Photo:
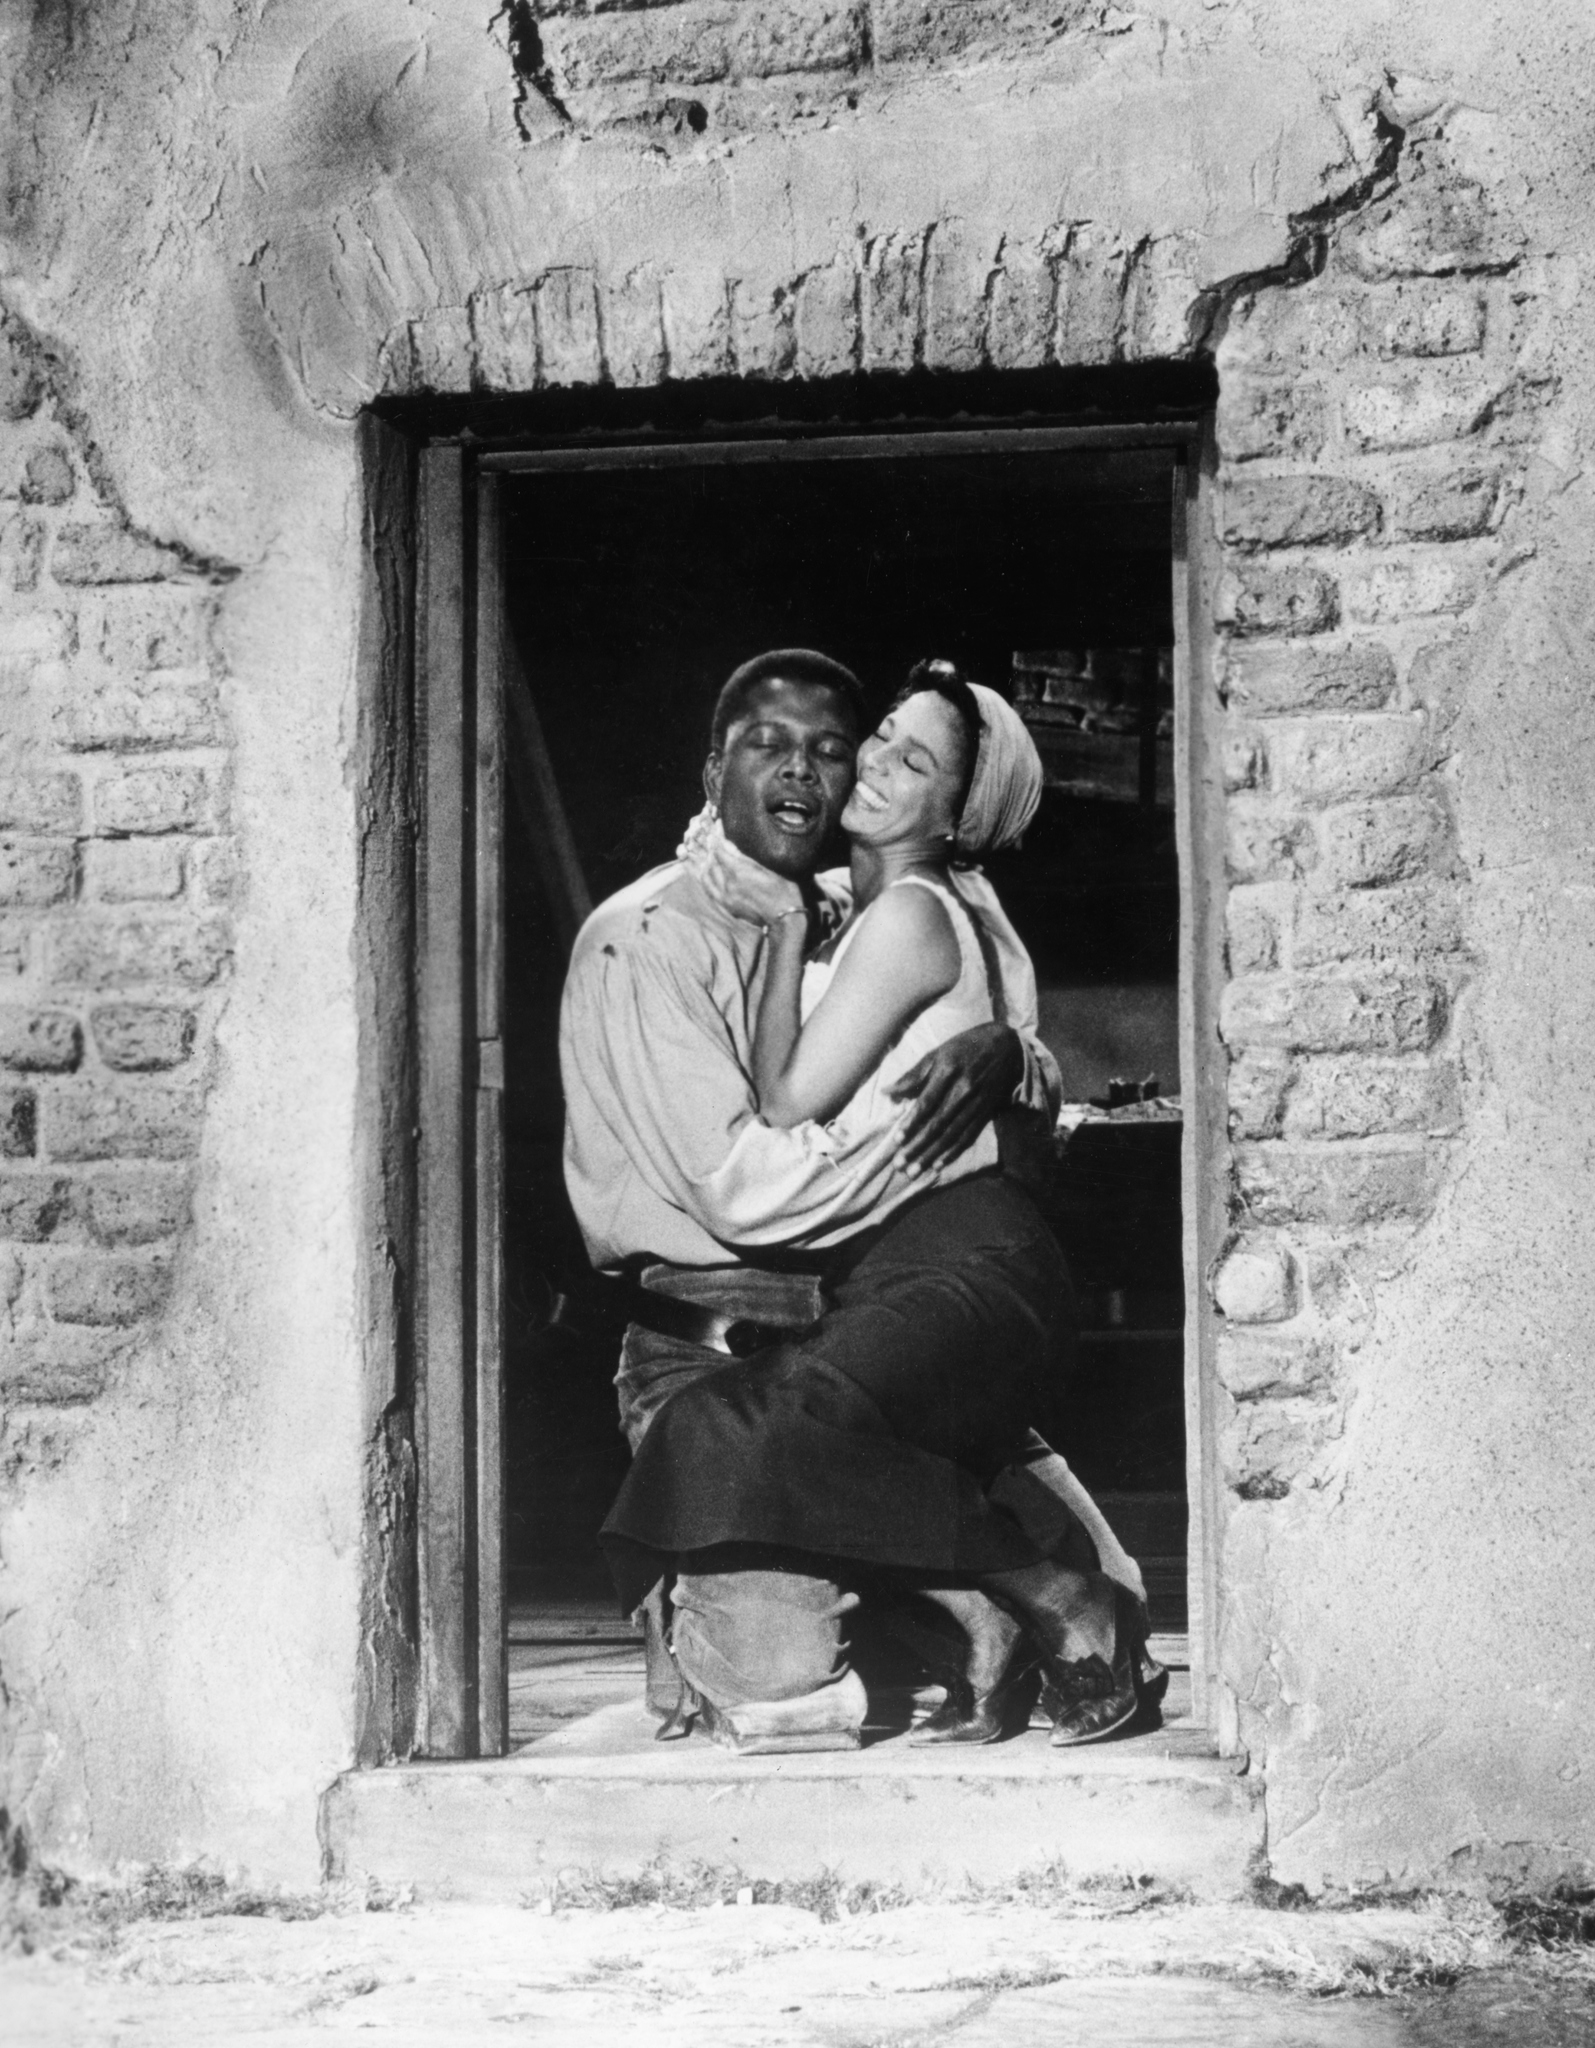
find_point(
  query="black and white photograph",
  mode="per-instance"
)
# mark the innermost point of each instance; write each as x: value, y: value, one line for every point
x: 797, y: 943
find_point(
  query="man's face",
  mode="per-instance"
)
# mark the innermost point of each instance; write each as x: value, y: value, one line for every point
x: 784, y: 773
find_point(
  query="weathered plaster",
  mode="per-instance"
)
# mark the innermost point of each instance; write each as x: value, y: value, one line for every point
x: 237, y: 225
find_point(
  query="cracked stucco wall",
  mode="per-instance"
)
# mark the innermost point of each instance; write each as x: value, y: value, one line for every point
x: 228, y: 228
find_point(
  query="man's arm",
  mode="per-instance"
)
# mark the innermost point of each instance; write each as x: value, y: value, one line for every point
x: 645, y: 1048
x: 957, y: 1089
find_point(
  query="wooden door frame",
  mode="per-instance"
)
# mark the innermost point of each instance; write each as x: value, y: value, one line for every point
x: 463, y: 666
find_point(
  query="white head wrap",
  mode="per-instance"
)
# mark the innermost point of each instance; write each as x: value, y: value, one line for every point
x: 1005, y: 791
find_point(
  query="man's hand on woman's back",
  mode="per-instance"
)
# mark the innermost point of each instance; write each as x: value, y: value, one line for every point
x: 956, y: 1091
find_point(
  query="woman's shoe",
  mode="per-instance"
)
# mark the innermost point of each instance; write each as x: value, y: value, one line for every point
x: 1091, y: 1700
x: 969, y: 1716
x: 992, y: 1696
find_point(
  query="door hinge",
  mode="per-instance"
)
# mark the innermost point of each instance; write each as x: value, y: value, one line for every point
x: 490, y: 1063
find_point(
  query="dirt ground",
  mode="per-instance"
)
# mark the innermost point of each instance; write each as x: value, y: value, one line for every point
x: 712, y: 1963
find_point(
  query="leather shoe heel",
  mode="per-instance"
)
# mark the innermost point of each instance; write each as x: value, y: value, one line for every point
x: 1090, y: 1702
x: 968, y: 1716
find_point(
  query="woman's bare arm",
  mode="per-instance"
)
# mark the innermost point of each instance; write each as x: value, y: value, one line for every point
x: 903, y: 955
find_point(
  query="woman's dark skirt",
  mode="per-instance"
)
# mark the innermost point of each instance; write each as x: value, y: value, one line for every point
x: 873, y: 1437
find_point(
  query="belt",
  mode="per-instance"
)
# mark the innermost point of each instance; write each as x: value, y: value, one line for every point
x: 736, y: 1336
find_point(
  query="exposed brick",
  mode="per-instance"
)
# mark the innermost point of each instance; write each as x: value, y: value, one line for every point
x: 110, y: 554
x: 1430, y: 228
x: 124, y: 951
x: 1258, y: 1081
x: 32, y: 1205
x: 782, y: 36
x: 1265, y: 842
x: 21, y: 379
x: 1423, y: 319
x: 1451, y: 504
x: 142, y: 1038
x: 168, y: 798
x: 30, y: 638
x: 1389, y: 840
x: 87, y: 1120
x: 133, y: 870
x: 1333, y: 1012
x: 891, y: 301
x: 1310, y: 326
x: 39, y: 1041
x: 12, y: 1277
x: 19, y: 1123
x: 1342, y: 1185
x: 49, y: 478
x: 689, y: 45
x: 1091, y: 280
x: 568, y: 347
x: 1243, y: 758
x: 58, y: 1364
x: 1256, y: 1282
x: 1356, y: 675
x: 35, y: 872
x: 1269, y: 1445
x: 213, y: 870
x: 1164, y: 277
x: 1296, y: 511
x: 763, y: 341
x: 1022, y: 309
x: 1330, y: 760
x: 145, y: 626
x: 1383, y: 591
x: 1256, y: 1365
x: 21, y: 552
x: 1252, y: 930
x: 504, y: 334
x: 15, y: 948
x: 161, y: 709
x: 1439, y: 678
x: 938, y: 31
x: 1366, y: 1098
x: 697, y: 318
x: 958, y: 270
x: 104, y: 1290
x: 1297, y: 599
x: 634, y: 334
x: 1416, y: 411
x: 1412, y: 922
x: 1289, y: 421
x: 137, y: 1205
x: 827, y: 321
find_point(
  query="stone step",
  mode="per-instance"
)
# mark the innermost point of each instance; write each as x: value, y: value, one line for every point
x: 601, y: 1797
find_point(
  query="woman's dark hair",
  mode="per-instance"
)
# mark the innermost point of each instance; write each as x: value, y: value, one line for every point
x: 945, y: 679
x: 787, y: 665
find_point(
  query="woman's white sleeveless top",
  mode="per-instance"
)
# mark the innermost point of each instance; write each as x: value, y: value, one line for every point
x: 966, y: 1003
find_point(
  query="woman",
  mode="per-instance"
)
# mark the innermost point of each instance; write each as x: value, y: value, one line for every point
x: 872, y: 1439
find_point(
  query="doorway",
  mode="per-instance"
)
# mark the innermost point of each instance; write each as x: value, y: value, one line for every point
x: 614, y: 589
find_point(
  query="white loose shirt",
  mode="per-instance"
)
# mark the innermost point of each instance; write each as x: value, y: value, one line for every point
x: 666, y: 1156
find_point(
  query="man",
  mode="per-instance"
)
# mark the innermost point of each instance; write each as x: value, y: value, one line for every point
x: 719, y: 1220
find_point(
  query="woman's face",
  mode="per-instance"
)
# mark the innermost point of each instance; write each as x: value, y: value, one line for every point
x: 910, y: 775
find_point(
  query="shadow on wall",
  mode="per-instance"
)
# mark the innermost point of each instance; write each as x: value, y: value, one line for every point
x: 1112, y: 1031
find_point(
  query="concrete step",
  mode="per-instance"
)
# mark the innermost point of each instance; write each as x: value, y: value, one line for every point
x: 600, y: 1796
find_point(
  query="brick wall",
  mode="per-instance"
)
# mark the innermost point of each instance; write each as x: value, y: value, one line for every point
x: 115, y: 876
x: 1372, y: 430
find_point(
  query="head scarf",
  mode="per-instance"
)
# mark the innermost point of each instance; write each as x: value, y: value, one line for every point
x: 1005, y: 790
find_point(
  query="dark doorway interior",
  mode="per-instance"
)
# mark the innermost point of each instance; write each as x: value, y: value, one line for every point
x: 632, y: 594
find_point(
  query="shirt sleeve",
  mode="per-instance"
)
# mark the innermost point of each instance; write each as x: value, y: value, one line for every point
x: 660, y: 1065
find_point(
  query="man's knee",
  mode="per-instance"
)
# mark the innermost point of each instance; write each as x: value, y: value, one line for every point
x: 750, y: 1635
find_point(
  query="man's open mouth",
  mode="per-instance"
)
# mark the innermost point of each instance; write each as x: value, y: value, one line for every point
x: 793, y: 814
